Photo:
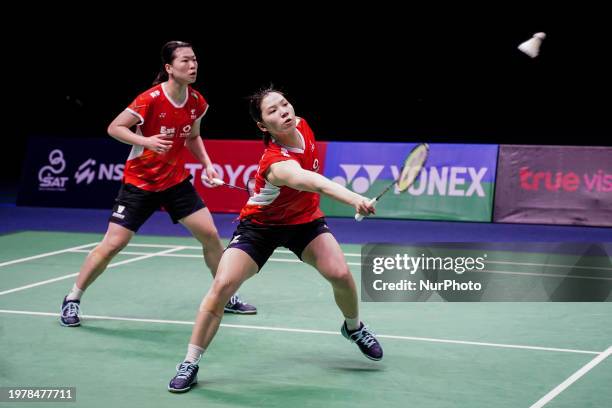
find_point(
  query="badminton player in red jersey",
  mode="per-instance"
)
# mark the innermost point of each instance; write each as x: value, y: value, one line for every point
x: 284, y: 211
x: 167, y: 119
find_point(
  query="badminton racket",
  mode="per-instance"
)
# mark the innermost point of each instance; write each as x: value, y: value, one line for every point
x: 414, y: 163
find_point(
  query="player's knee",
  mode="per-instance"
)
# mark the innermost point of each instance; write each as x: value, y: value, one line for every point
x: 211, y: 305
x: 208, y: 236
x: 218, y: 295
x: 339, y: 275
x: 223, y: 288
x: 112, y: 246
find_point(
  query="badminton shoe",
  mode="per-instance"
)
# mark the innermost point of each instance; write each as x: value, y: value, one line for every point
x: 185, y: 378
x: 365, y: 340
x: 237, y: 306
x: 69, y: 316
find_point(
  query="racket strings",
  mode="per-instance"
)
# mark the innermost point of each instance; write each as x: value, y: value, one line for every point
x: 412, y: 167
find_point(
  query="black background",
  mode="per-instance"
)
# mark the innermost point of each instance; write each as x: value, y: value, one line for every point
x: 377, y: 73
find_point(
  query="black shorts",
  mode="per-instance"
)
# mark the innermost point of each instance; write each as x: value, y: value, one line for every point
x: 260, y: 241
x: 134, y: 205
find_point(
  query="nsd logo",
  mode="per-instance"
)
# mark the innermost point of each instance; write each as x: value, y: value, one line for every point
x: 564, y: 181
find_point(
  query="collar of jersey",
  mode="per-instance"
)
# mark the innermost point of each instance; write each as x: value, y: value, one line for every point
x: 163, y: 86
x: 293, y: 149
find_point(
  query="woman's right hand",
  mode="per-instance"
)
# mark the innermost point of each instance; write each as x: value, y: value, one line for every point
x: 159, y: 144
x: 365, y: 206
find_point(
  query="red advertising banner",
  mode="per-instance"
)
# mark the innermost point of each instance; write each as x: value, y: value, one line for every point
x: 554, y: 185
x: 236, y: 162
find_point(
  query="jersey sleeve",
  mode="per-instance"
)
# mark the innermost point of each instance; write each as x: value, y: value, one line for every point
x: 201, y: 104
x: 271, y: 157
x: 140, y: 107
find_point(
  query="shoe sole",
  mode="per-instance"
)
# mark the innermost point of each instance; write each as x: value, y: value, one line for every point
x: 179, y: 391
x: 251, y: 312
x: 70, y: 325
x: 372, y: 358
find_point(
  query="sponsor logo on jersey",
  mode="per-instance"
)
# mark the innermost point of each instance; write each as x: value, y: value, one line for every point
x: 315, y: 165
x: 167, y: 131
x: 186, y: 131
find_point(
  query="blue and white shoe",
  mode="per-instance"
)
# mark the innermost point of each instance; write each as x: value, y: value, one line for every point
x: 185, y: 378
x: 367, y: 343
x: 71, y: 309
x: 237, y: 306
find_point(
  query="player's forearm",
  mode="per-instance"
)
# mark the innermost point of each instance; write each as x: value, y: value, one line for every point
x: 316, y: 183
x: 196, y: 147
x: 125, y: 135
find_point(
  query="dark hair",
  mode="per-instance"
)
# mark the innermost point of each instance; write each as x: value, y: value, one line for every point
x: 167, y: 56
x: 255, y: 106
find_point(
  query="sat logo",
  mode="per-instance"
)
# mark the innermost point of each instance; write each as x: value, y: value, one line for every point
x: 49, y: 176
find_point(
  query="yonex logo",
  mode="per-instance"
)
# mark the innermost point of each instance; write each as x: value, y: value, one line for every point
x: 155, y: 94
x: 443, y: 181
x: 359, y: 184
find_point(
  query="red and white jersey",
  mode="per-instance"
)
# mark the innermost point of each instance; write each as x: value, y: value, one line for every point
x: 272, y: 205
x: 159, y: 114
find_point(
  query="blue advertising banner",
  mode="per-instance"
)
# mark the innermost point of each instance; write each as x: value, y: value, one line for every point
x: 60, y: 172
x: 457, y: 182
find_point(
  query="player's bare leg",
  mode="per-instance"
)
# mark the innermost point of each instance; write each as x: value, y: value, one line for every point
x: 96, y: 262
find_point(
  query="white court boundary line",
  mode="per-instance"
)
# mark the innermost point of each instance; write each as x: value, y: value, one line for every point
x: 572, y: 379
x: 29, y: 258
x: 291, y: 330
x: 59, y: 278
x: 174, y: 248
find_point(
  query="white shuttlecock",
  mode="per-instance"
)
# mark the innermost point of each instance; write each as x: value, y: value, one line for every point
x: 217, y: 182
x: 531, y: 47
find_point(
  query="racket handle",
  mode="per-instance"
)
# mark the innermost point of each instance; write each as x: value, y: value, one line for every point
x: 359, y: 217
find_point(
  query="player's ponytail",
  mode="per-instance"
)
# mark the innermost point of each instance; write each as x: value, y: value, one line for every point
x: 167, y: 56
